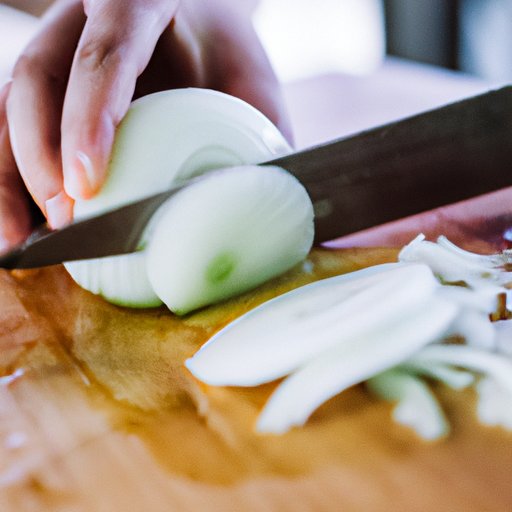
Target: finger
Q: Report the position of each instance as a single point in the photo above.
(115, 47)
(35, 105)
(242, 69)
(14, 212)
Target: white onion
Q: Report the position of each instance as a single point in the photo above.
(494, 403)
(478, 360)
(227, 233)
(417, 407)
(166, 138)
(451, 377)
(341, 367)
(282, 334)
(453, 264)
(374, 325)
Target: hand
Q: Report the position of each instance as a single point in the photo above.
(74, 82)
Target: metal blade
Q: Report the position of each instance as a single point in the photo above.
(115, 232)
(429, 160)
(413, 165)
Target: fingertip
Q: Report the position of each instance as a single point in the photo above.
(6, 245)
(59, 210)
(5, 89)
(13, 237)
(86, 151)
(15, 223)
(83, 178)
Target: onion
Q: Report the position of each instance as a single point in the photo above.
(335, 370)
(281, 335)
(375, 325)
(417, 407)
(227, 233)
(166, 138)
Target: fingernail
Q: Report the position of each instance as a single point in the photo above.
(59, 210)
(81, 181)
(88, 169)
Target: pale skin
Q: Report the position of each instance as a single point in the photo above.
(74, 82)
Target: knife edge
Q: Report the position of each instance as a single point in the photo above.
(75, 242)
(412, 165)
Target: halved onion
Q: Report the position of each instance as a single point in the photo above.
(227, 233)
(120, 280)
(170, 136)
(164, 139)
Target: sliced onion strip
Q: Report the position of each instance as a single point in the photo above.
(495, 365)
(281, 335)
(334, 371)
(417, 406)
(451, 377)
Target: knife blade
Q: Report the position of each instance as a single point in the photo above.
(409, 166)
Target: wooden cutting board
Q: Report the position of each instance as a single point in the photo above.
(97, 413)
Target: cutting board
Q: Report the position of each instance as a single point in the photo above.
(97, 412)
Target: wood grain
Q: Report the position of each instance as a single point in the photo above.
(97, 413)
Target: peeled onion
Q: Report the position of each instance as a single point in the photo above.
(164, 139)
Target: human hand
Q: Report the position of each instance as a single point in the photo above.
(74, 82)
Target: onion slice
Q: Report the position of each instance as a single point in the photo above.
(417, 406)
(451, 377)
(335, 370)
(494, 403)
(282, 334)
(375, 325)
(495, 365)
(454, 265)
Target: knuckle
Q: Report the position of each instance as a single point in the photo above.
(32, 66)
(97, 53)
(26, 65)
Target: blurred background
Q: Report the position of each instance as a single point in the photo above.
(356, 62)
(473, 36)
(396, 57)
(305, 37)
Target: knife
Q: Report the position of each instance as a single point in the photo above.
(422, 162)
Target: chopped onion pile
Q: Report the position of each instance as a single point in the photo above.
(454, 265)
(392, 326)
